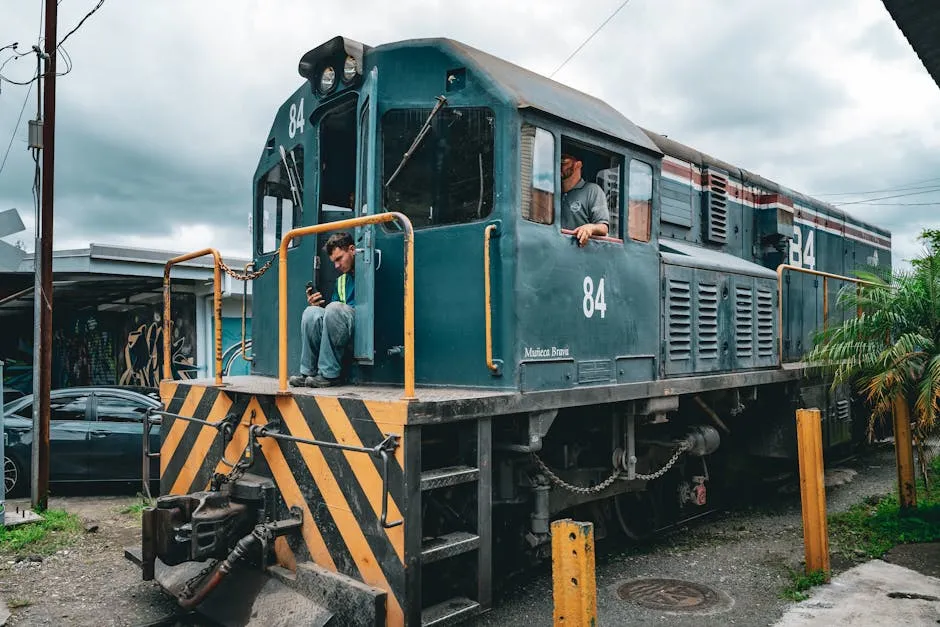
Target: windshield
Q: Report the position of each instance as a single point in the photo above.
(449, 178)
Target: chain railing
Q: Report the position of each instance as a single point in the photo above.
(606, 483)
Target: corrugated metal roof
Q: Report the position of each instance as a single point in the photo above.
(528, 89)
(919, 20)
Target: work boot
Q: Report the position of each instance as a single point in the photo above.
(301, 380)
(320, 381)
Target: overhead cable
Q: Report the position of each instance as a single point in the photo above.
(590, 37)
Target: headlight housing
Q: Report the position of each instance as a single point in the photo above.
(350, 69)
(327, 80)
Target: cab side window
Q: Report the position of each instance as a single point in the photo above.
(538, 175)
(591, 167)
(279, 203)
(641, 201)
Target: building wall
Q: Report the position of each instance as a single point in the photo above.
(103, 347)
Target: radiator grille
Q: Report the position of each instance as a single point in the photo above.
(842, 410)
(765, 323)
(707, 321)
(744, 321)
(717, 208)
(679, 312)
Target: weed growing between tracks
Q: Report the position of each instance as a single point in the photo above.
(58, 528)
(871, 528)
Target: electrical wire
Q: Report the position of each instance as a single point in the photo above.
(899, 188)
(870, 200)
(13, 134)
(590, 37)
(79, 25)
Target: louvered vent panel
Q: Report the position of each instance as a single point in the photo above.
(765, 323)
(680, 320)
(707, 327)
(717, 208)
(744, 321)
(842, 409)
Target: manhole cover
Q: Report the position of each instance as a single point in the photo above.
(669, 594)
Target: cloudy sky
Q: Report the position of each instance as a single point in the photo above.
(164, 114)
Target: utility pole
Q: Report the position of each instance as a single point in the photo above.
(41, 498)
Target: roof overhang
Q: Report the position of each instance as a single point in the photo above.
(919, 20)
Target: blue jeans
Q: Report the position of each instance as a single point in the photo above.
(324, 352)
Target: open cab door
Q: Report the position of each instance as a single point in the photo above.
(367, 201)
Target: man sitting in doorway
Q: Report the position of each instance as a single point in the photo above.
(583, 204)
(327, 331)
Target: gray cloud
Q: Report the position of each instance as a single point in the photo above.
(164, 115)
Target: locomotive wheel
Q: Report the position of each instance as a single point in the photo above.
(637, 514)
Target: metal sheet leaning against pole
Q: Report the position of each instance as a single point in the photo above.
(574, 587)
(217, 309)
(812, 490)
(409, 294)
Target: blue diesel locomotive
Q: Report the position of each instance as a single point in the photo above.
(500, 375)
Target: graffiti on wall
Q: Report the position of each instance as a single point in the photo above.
(142, 353)
(92, 347)
(83, 352)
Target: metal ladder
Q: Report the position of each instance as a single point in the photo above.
(450, 545)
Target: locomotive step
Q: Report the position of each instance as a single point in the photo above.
(451, 475)
(448, 545)
(449, 612)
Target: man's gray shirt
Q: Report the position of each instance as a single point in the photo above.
(585, 203)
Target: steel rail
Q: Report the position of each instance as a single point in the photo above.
(217, 306)
(409, 296)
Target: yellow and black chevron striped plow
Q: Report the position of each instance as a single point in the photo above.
(340, 492)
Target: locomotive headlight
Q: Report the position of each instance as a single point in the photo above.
(350, 69)
(327, 80)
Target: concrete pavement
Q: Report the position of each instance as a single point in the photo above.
(874, 593)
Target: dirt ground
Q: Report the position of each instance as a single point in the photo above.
(743, 552)
(89, 583)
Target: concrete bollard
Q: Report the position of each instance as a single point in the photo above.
(574, 588)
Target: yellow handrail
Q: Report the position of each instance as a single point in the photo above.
(409, 289)
(248, 267)
(217, 305)
(487, 234)
(826, 276)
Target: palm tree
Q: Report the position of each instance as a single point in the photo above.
(893, 347)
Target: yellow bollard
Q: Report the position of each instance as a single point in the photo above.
(812, 490)
(904, 451)
(575, 594)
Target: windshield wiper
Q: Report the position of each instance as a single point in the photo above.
(441, 101)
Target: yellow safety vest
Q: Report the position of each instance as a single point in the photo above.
(341, 288)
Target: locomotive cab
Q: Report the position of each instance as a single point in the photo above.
(468, 148)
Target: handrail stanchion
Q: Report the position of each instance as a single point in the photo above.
(409, 296)
(217, 307)
(248, 268)
(826, 275)
(487, 234)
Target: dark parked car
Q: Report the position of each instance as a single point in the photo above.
(96, 435)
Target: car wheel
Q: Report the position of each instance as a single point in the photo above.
(14, 478)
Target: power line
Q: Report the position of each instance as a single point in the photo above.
(903, 204)
(590, 37)
(899, 188)
(869, 200)
(13, 135)
(79, 25)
